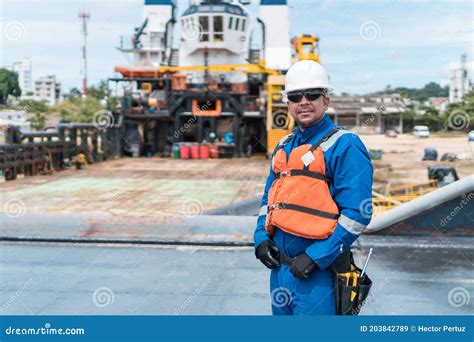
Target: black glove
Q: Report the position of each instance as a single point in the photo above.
(302, 266)
(268, 254)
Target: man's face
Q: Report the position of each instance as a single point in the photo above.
(306, 113)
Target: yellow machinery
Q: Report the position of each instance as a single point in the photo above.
(401, 194)
(152, 71)
(305, 46)
(279, 122)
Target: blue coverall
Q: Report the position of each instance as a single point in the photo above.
(350, 171)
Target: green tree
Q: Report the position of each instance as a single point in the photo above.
(32, 106)
(430, 110)
(112, 102)
(74, 92)
(100, 91)
(79, 110)
(431, 89)
(8, 85)
(409, 118)
(37, 121)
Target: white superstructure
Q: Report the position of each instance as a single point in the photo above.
(151, 43)
(217, 33)
(276, 33)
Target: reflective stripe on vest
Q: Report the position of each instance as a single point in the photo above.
(299, 201)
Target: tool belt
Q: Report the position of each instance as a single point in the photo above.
(285, 260)
(350, 288)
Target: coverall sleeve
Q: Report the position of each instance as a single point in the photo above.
(351, 171)
(260, 233)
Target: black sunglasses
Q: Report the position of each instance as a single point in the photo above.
(310, 95)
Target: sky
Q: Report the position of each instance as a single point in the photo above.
(365, 45)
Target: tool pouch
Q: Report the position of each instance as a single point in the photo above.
(350, 288)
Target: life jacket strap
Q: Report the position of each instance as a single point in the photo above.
(324, 138)
(298, 172)
(320, 141)
(295, 207)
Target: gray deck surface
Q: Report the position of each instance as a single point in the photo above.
(61, 278)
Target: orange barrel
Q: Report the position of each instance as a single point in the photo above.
(195, 151)
(204, 151)
(214, 151)
(184, 151)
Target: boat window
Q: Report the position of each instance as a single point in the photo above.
(243, 24)
(230, 22)
(218, 28)
(237, 24)
(204, 26)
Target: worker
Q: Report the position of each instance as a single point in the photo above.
(317, 199)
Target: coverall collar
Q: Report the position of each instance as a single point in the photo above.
(324, 125)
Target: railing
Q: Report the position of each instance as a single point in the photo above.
(401, 194)
(47, 151)
(413, 189)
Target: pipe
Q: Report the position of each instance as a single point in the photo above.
(422, 203)
(167, 39)
(263, 37)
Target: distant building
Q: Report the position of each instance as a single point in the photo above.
(23, 69)
(13, 117)
(368, 114)
(49, 89)
(439, 103)
(459, 83)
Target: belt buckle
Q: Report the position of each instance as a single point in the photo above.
(275, 206)
(285, 173)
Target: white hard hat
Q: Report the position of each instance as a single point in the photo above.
(306, 74)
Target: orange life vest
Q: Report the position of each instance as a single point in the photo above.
(299, 201)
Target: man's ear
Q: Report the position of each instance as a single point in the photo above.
(326, 102)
